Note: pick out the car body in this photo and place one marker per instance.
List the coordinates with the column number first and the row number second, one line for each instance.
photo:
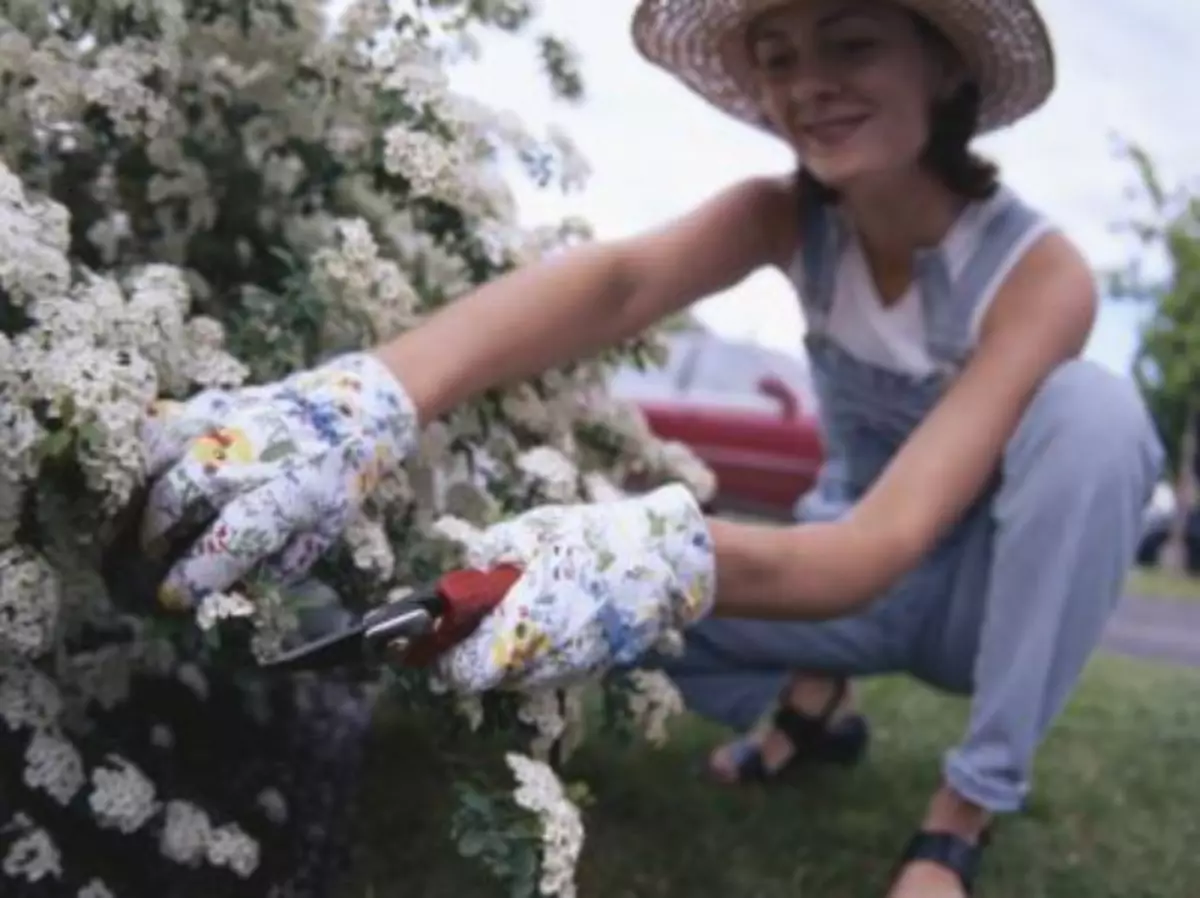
column 747, row 411
column 1157, row 520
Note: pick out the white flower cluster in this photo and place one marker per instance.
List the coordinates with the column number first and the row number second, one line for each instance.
column 77, row 379
column 360, row 284
column 552, row 471
column 53, row 765
column 94, row 356
column 220, row 606
column 653, row 701
column 29, row 602
column 556, row 716
column 122, row 798
column 540, row 792
column 189, row 838
column 32, row 856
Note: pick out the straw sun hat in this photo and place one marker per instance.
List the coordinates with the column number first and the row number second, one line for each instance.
column 701, row 42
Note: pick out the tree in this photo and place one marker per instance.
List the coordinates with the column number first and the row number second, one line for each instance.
column 1167, row 362
column 212, row 193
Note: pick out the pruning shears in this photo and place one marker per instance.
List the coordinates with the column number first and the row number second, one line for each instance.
column 412, row 631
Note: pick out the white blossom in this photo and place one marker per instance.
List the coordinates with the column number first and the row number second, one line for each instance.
column 539, row 791
column 28, row 698
column 185, row 834
column 552, row 471
column 95, row 888
column 122, row 798
column 653, row 701
column 542, row 710
column 219, row 606
column 433, row 168
column 370, row 547
column 229, row 846
column 30, row 594
column 273, row 805
column 33, row 242
column 32, row 856
column 53, row 765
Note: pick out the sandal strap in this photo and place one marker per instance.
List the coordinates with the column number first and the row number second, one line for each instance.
column 802, row 729
column 748, row 761
column 806, row 733
column 953, row 852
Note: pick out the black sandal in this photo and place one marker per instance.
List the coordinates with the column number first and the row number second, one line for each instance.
column 956, row 854
column 814, row 739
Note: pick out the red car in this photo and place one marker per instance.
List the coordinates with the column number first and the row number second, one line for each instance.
column 749, row 412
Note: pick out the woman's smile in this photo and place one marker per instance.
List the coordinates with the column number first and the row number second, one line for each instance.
column 831, row 132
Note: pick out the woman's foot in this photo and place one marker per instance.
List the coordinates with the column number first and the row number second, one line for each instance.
column 814, row 722
column 942, row 860
column 927, row 879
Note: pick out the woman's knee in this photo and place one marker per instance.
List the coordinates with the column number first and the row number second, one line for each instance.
column 1086, row 422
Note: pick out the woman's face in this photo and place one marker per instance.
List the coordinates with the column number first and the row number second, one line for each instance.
column 850, row 83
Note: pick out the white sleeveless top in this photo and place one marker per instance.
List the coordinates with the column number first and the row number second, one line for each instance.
column 893, row 337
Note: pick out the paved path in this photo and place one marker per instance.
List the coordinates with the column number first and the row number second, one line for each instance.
column 1161, row 629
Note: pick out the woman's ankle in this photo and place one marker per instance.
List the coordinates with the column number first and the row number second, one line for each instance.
column 812, row 695
column 949, row 812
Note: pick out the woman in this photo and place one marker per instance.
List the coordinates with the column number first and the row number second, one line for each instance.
column 998, row 480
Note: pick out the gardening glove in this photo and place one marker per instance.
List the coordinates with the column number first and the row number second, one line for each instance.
column 601, row 585
column 279, row 470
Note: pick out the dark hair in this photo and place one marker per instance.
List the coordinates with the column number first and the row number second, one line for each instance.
column 947, row 154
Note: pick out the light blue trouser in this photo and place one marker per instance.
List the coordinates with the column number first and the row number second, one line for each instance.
column 1008, row 608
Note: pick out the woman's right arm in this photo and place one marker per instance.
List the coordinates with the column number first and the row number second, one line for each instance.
column 513, row 328
column 589, row 298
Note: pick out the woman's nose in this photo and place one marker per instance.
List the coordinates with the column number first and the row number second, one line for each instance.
column 811, row 82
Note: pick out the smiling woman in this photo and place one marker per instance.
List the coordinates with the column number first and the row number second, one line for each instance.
column 992, row 482
column 891, row 61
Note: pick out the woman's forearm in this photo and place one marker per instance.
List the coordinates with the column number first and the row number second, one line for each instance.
column 515, row 327
column 811, row 571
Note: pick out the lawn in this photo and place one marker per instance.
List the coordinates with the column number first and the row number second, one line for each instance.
column 1162, row 584
column 1114, row 812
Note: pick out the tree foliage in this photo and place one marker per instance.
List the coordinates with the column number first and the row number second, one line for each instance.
column 1167, row 360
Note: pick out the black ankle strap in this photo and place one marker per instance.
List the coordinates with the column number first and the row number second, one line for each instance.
column 801, row 728
column 953, row 852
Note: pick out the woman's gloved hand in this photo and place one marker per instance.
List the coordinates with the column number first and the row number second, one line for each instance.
column 281, row 468
column 601, row 584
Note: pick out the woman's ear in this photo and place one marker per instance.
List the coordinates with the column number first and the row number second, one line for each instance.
column 951, row 81
column 952, row 74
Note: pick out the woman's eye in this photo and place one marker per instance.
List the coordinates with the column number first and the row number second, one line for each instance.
column 777, row 60
column 853, row 46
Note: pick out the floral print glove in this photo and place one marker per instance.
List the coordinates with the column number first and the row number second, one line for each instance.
column 602, row 584
column 281, row 468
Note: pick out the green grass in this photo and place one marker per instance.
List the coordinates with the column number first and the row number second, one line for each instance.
column 1114, row 812
column 1163, row 584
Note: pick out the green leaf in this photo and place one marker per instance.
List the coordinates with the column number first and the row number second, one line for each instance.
column 276, row 451
column 471, row 844
column 56, row 444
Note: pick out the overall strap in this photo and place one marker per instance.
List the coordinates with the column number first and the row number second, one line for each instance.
column 814, row 267
column 951, row 301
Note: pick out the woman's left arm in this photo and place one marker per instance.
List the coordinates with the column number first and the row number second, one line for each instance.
column 1040, row 318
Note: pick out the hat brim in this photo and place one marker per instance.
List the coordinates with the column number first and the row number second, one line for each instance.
column 702, row 43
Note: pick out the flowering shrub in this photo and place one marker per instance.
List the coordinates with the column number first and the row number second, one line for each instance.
column 202, row 195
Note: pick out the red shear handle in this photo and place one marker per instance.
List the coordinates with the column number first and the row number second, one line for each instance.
column 468, row 596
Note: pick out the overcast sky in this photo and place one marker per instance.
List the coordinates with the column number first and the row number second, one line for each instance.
column 1127, row 66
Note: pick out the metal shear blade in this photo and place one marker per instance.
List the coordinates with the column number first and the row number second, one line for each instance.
column 394, row 625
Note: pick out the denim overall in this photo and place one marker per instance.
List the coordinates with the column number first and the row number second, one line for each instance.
column 1010, row 603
